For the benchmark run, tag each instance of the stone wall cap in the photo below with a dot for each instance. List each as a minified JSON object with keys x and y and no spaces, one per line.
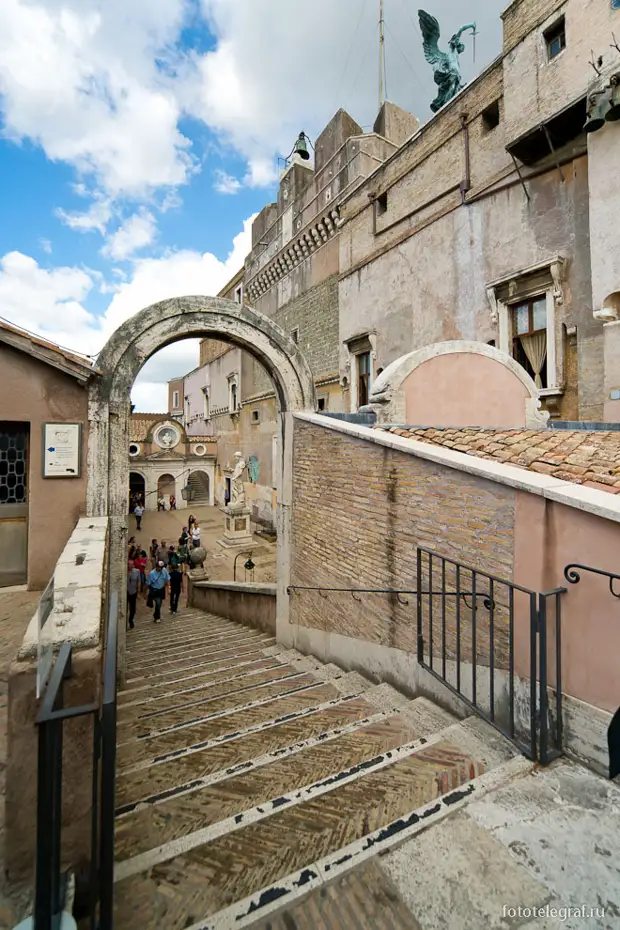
{"x":239,"y":587}
{"x":588,"y":499}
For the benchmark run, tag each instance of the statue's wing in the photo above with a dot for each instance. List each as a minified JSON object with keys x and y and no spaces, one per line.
{"x":430,"y":36}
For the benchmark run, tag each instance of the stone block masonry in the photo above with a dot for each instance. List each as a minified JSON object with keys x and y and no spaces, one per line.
{"x":361,"y":510}
{"x":315,"y":315}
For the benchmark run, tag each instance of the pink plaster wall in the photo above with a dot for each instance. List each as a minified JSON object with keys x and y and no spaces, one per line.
{"x":464,"y":389}
{"x":549,"y":536}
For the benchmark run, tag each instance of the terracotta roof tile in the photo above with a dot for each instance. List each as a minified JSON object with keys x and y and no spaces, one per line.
{"x":581,"y":456}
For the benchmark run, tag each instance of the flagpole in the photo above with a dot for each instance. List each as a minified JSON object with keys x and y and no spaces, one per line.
{"x":381,"y":55}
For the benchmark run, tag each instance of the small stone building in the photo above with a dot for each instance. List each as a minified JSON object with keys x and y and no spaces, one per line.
{"x":43,"y":443}
{"x":164,"y":460}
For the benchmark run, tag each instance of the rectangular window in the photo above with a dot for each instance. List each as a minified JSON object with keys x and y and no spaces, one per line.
{"x":256,"y":416}
{"x":382,"y":204}
{"x":322,"y":401}
{"x":490,"y":116}
{"x":529,"y":343}
{"x":295,"y":334}
{"x":207,"y":411}
{"x":555,"y":38}
{"x":175,"y":400}
{"x":363,"y":379}
{"x":239,"y":294}
{"x":233,"y":397}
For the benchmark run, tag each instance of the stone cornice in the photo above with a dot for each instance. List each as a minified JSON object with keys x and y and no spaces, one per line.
{"x":315,"y":234}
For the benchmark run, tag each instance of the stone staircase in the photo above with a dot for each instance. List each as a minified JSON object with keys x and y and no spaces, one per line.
{"x":259,"y":787}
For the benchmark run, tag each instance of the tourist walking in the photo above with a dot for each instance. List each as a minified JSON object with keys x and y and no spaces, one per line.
{"x":176,"y":586}
{"x":196,"y":534}
{"x":153,"y":552}
{"x":137,"y":512}
{"x":140,"y":563}
{"x":162,"y":552}
{"x":173,"y":502}
{"x":133,"y":586}
{"x":183,"y":553}
{"x":161,"y":502}
{"x":157,"y":581}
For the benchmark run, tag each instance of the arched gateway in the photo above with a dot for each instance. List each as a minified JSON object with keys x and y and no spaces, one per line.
{"x":120,"y":362}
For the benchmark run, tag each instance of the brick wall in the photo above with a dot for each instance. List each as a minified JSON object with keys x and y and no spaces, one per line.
{"x":523,"y":16}
{"x":360,"y":510}
{"x":315,"y":313}
{"x":212,"y":349}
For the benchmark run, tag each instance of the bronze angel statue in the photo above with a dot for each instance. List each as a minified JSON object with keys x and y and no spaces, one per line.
{"x":445,"y":64}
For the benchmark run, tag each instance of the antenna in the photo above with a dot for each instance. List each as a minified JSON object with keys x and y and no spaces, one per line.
{"x":381,"y":56}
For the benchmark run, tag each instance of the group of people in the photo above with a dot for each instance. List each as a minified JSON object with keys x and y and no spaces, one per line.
{"x":161,"y":502}
{"x":169,"y":563}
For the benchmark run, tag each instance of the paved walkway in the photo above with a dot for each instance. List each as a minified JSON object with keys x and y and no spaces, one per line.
{"x":16,"y":611}
{"x":220,"y":562}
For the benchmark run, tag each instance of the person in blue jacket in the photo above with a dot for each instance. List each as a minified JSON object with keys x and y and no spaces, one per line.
{"x":157,"y":581}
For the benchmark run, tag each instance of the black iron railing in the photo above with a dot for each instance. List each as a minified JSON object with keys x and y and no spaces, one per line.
{"x":471,"y":627}
{"x":472,"y":648}
{"x":50,"y":878}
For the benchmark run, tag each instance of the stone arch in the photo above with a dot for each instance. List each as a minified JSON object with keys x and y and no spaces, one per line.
{"x":456,"y":381}
{"x":120,"y":361}
{"x":166,"y":485}
{"x":199,"y":481}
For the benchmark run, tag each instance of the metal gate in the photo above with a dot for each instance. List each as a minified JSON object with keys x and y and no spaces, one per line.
{"x":497,"y":645}
{"x":13,"y":503}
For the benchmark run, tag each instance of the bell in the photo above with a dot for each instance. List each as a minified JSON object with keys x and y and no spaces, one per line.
{"x":598,"y":106}
{"x":613,"y":113}
{"x":301,"y":148}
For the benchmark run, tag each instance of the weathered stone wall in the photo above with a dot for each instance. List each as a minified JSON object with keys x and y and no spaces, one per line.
{"x":363,"y":501}
{"x":536,"y":87}
{"x":315,"y":314}
{"x":359,"y":512}
{"x":433,"y":286}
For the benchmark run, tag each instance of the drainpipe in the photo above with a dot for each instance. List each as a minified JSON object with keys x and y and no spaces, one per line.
{"x":466,"y":182}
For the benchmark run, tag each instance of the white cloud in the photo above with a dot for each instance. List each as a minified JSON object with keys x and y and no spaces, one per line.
{"x":97,"y":216}
{"x":225,"y":183}
{"x":46,"y":245}
{"x":327,"y":57}
{"x":89,"y":81}
{"x":51,"y":302}
{"x":134,"y":234}
{"x":103,"y":84}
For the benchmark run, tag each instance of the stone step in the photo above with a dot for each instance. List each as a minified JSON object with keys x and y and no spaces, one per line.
{"x":193,"y":657}
{"x":232,"y":721}
{"x":152,"y":782}
{"x":189,"y":698}
{"x":179,"y":669}
{"x":192,"y":876}
{"x":205,"y":642}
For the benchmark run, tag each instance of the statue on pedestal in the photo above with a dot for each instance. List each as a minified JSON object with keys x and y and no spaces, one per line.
{"x":446,"y":67}
{"x":237,"y":491}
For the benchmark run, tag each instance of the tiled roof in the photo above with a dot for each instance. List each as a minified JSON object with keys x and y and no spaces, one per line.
{"x":72,"y":362}
{"x":583,"y":457}
{"x":140,"y":424}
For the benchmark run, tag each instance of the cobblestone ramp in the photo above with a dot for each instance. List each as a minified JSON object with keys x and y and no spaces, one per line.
{"x":249,"y":776}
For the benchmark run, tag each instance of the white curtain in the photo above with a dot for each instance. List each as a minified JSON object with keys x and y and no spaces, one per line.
{"x":535,"y":347}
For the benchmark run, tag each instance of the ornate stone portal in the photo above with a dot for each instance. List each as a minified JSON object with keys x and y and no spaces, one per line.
{"x":238,"y":531}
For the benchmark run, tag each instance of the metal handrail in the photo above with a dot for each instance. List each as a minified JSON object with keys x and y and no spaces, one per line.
{"x":573,"y":577}
{"x":50,"y":719}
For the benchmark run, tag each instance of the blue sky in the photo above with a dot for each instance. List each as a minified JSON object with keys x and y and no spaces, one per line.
{"x":138,"y":139}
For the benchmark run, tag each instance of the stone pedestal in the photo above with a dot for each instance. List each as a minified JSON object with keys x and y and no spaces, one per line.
{"x":238,"y":532}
